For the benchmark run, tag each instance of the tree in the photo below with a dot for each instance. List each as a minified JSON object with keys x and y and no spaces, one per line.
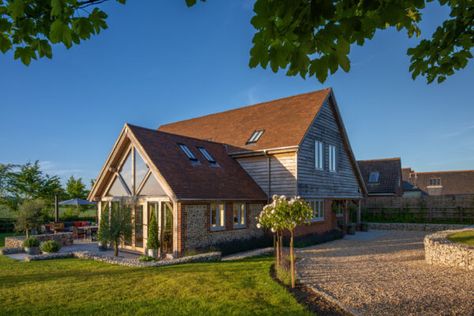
{"x":281,"y":215}
{"x":75,"y":188}
{"x":302,"y":37}
{"x":153,"y":241}
{"x":117,"y":226}
{"x":30,"y":216}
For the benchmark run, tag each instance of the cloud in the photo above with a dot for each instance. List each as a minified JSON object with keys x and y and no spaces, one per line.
{"x":459,"y":132}
{"x":51,"y":167}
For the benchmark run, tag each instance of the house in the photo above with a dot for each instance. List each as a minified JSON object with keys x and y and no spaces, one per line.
{"x":441,"y":182}
{"x":383,"y":177}
{"x":208,"y":178}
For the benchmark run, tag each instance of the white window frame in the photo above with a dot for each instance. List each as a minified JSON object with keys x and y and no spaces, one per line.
{"x":255,"y":136}
{"x":318,"y":210}
{"x":434,"y":182}
{"x":332,"y":158}
{"x":207,"y":155}
{"x":187,"y":152}
{"x":241,"y":215}
{"x":319,"y":155}
{"x":219,"y":216}
{"x":376,"y":175}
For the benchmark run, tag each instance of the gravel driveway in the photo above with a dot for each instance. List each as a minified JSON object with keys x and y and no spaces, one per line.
{"x":384,"y":273}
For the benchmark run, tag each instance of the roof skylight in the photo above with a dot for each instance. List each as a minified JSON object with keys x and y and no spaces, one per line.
{"x":374,"y":177}
{"x":188,"y":152}
{"x":255,"y":136}
{"x":206,"y":154}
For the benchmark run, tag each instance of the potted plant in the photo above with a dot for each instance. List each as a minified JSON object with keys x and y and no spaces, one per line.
{"x":31,"y":246}
{"x":153,"y":242}
{"x":50,"y":246}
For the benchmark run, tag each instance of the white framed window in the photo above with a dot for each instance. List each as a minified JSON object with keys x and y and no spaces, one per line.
{"x":217,"y":214}
{"x":318,"y":210}
{"x":187,"y":152}
{"x":255,"y":136}
{"x":332,"y":158}
{"x":240,"y":216}
{"x":318,"y":155}
{"x":207,"y":155}
{"x":435,"y":182}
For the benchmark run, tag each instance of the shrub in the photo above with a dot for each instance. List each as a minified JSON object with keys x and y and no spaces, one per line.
{"x":315,"y":239}
{"x":31,"y":242}
{"x":50,"y":246}
{"x":146,"y":259}
{"x":234,"y":246}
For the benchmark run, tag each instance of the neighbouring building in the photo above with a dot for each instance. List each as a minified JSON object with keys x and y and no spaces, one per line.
{"x":383,"y":177}
{"x":441,"y":182}
{"x":207,"y":178}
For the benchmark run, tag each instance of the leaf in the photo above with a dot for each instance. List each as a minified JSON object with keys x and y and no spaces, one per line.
{"x":5,"y":44}
{"x":56,"y":8}
{"x":190,"y":3}
{"x":16,"y":9}
{"x":25,"y":54}
{"x":60,"y":32}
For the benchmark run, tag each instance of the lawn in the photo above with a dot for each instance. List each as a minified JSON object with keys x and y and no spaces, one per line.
{"x":465,"y":237}
{"x":73,"y":286}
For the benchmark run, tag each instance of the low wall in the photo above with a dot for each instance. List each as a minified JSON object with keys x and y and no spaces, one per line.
{"x":441,"y":251}
{"x":64,"y":239}
{"x":414,"y":227}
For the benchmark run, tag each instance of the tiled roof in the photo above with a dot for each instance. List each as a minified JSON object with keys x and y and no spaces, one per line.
{"x":451,"y":182}
{"x":284,"y":122}
{"x":390,"y":177}
{"x":196,"y":180}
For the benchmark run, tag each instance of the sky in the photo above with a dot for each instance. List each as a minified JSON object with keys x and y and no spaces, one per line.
{"x":160,"y":62}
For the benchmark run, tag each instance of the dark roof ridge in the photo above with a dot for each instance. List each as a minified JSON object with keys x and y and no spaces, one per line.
{"x":444,"y":171}
{"x":177,"y":135}
{"x":381,"y":159}
{"x":249,"y":106}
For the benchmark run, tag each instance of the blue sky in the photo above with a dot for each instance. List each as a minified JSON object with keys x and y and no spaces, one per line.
{"x":160,"y":62}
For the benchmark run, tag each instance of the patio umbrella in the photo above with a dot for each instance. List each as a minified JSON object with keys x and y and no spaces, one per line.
{"x":76,"y":202}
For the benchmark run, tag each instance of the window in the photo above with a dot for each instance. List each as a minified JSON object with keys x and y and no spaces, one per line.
{"x":374,"y":177}
{"x":435,"y":181}
{"x":318,"y":209}
{"x":338,"y":208}
{"x":318,"y":155}
{"x":217,"y":216}
{"x":188,"y":152}
{"x":240,"y":219}
{"x":332,"y":158}
{"x":255,"y":136}
{"x":207,"y":155}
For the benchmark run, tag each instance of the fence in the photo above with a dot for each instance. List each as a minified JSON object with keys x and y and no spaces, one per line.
{"x":455,"y":209}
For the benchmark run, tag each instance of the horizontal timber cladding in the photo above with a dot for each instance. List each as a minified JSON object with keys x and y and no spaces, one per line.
{"x":196,"y":233}
{"x":324,"y":183}
{"x":282,"y":171}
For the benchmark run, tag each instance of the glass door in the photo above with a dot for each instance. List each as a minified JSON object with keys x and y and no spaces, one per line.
{"x":138,"y":227}
{"x":166,"y":227}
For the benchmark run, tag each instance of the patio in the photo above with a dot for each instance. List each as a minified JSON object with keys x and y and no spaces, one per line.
{"x":385,"y":273}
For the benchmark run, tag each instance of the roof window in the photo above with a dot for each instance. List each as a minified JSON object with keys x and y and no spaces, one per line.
{"x":188,"y":152}
{"x":255,"y":136}
{"x":374,"y":177}
{"x":207,"y":155}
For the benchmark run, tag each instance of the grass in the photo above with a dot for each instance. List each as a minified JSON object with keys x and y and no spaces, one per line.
{"x":465,"y":237}
{"x":2,"y":238}
{"x":83,"y":287}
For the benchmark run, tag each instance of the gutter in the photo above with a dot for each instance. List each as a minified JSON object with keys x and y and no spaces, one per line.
{"x":264,"y":152}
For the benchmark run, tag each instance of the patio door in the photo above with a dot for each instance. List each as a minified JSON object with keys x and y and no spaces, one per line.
{"x":136,"y":241}
{"x":164,"y":215}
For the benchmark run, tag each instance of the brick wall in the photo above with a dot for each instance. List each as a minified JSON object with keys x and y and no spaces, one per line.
{"x":197,"y":234}
{"x":320,"y":227}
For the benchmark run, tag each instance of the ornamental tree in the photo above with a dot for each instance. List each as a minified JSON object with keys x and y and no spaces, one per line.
{"x":153,"y":241}
{"x":118,"y":227}
{"x":285,"y":215}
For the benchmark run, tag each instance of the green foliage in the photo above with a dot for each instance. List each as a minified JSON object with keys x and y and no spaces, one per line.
{"x":31,"y":27}
{"x":146,"y":259}
{"x":103,"y":233}
{"x":314,"y":38}
{"x":30,"y":216}
{"x":50,"y":246}
{"x":31,"y":242}
{"x":25,"y":182}
{"x":153,"y":241}
{"x":117,"y":227}
{"x":241,"y":287}
{"x":75,"y":188}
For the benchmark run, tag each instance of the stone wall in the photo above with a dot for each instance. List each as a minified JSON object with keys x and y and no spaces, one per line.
{"x":414,"y":227}
{"x":198,"y":235}
{"x":64,"y":239}
{"x":441,"y":251}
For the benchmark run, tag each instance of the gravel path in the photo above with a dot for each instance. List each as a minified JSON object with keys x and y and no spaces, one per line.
{"x":384,"y":273}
